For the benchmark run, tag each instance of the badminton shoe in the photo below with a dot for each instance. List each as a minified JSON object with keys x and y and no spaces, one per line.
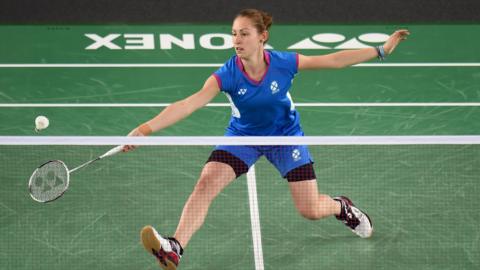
{"x":358,"y":221}
{"x":167,"y":250}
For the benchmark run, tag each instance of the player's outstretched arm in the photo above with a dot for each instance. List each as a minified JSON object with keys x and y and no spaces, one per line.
{"x":177,"y":111}
{"x":347,"y":58}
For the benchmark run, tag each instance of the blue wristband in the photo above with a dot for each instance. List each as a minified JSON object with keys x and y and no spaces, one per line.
{"x":380,"y":52}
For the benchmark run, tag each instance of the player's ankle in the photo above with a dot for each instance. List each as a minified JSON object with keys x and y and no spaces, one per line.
{"x":177,"y":246}
{"x":342,"y":214}
{"x":338,"y":208}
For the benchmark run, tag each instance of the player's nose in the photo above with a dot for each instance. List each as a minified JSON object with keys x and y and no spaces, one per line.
{"x":237,"y":39}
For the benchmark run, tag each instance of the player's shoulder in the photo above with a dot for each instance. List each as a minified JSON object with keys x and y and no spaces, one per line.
{"x":282,"y":55}
{"x":284,"y":60}
{"x":230,"y":63}
{"x":228,"y":67}
{"x":227,"y":74}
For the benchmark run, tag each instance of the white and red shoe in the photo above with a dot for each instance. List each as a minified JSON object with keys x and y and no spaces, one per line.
{"x":167,"y":250}
{"x":357,"y":220}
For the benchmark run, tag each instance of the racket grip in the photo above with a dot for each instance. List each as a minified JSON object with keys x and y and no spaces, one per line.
{"x":113,"y":151}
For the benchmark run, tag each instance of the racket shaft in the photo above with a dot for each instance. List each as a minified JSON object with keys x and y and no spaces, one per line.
{"x":83,"y":165}
{"x":111,"y":152}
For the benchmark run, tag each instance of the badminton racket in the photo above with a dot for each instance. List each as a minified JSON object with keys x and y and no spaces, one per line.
{"x":51,"y":179}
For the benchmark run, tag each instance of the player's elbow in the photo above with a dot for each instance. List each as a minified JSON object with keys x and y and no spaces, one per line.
{"x":188,"y":107}
{"x":327,"y":63}
{"x":191,"y":104}
{"x":337,"y":64}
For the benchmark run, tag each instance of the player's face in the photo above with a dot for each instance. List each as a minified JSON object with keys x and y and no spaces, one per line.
{"x":246,"y":39}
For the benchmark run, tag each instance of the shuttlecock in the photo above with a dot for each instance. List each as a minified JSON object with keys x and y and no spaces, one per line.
{"x":41,"y":122}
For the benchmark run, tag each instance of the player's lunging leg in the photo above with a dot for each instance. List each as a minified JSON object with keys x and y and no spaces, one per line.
{"x":309,"y":203}
{"x":214,"y":178}
{"x":313,"y":205}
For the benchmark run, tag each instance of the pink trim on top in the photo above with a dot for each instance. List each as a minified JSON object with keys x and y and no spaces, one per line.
{"x":219,"y":80}
{"x":267,"y":57}
{"x":239,"y":63}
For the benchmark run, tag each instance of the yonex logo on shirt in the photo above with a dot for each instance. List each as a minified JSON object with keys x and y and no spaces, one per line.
{"x":274,"y":87}
{"x":296,"y":155}
{"x":242,"y":91}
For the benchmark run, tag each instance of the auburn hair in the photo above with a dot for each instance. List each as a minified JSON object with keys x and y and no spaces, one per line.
{"x":260,"y":19}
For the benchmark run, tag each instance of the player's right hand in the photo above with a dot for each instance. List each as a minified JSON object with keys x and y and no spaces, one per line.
{"x":143,"y":130}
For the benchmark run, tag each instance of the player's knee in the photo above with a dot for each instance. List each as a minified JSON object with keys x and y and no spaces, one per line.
{"x":206,"y":185}
{"x":203,"y":184}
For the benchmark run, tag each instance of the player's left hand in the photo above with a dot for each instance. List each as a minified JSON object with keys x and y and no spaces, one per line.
{"x":394,"y":40}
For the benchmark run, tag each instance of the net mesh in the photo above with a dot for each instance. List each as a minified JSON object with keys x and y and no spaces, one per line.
{"x":418,"y":197}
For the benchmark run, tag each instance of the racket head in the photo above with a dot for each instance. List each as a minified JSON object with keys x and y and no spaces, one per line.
{"x":49,"y":181}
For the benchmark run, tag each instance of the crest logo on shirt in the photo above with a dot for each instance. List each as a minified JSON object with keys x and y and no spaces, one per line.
{"x":274,"y":87}
{"x":242,"y":91}
{"x":296,"y":155}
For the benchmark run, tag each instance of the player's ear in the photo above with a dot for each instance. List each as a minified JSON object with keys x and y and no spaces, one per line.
{"x":264,"y":37}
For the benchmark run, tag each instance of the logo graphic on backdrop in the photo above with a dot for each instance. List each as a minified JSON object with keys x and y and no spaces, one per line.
{"x":327,"y":41}
{"x":222,"y":41}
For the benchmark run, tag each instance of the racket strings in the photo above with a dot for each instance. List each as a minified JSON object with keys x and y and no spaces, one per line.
{"x":49,"y":181}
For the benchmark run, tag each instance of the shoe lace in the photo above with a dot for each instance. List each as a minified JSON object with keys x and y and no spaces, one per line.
{"x":351,"y":220}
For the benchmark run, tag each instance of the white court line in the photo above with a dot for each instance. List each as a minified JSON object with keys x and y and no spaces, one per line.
{"x":255,"y":218}
{"x":312,"y":104}
{"x":200,"y":65}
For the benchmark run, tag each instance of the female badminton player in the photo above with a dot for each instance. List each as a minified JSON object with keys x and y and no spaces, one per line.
{"x":256,"y":82}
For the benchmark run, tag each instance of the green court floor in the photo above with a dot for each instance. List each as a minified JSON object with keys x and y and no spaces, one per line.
{"x":422,"y":198}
